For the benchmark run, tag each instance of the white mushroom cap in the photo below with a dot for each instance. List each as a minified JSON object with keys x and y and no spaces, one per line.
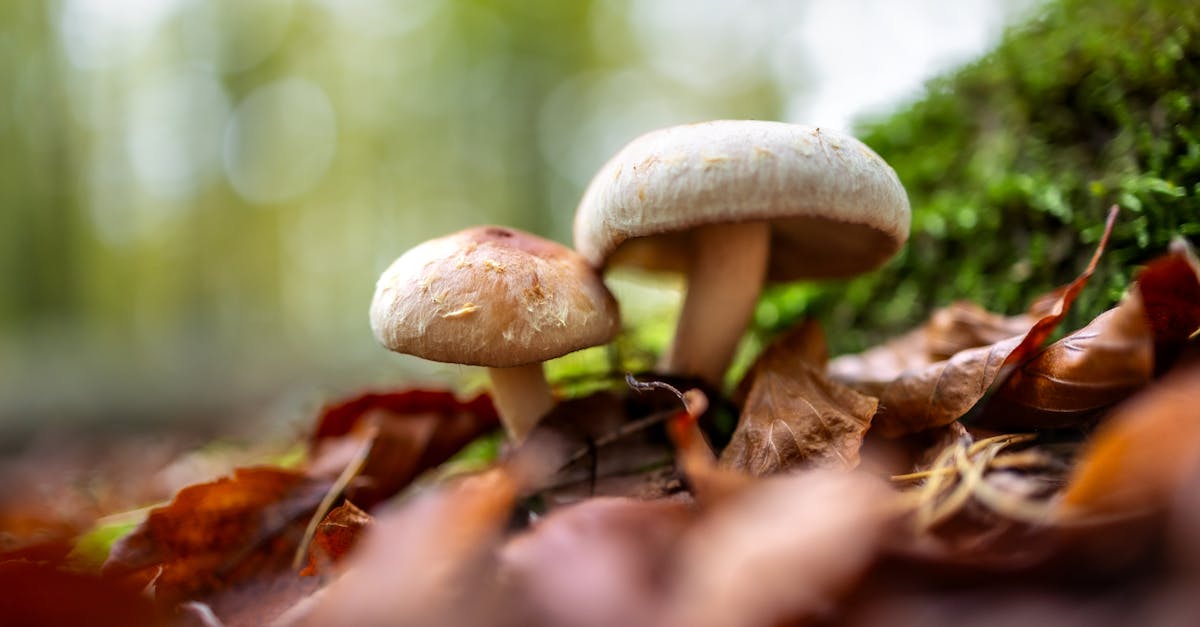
{"x":735,"y":203}
{"x":491,"y":296}
{"x":834,"y":207}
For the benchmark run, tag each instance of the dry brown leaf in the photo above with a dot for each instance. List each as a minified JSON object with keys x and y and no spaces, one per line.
{"x":1073,"y":378}
{"x":218,"y":534}
{"x":45,"y":594}
{"x":598,"y":563}
{"x":949,"y":330}
{"x":782,"y":551}
{"x":604,"y":443}
{"x":408,"y":432}
{"x":943,"y":392}
{"x":336,"y":535}
{"x":431,"y":561}
{"x":1107,"y":360}
{"x":795,"y":416}
{"x":1142,"y":454}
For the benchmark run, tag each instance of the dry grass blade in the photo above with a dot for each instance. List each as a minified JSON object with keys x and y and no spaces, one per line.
{"x":957,"y":476}
{"x":339,"y":485}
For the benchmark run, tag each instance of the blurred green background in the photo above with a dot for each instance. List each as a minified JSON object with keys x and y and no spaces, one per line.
{"x":196,"y":196}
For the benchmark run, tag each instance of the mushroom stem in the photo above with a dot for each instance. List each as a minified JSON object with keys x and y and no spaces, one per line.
{"x":728,"y":266}
{"x":522,"y":396}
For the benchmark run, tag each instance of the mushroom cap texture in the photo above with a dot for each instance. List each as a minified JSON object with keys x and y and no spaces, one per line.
{"x":835,"y":208}
{"x":491,"y":296}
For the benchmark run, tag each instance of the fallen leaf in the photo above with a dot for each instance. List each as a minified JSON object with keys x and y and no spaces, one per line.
{"x":261,"y":600}
{"x":1170,"y":289}
{"x":1073,"y":378}
{"x":960,"y":326}
{"x":783,"y":551}
{"x":1141,"y":454}
{"x":943,"y":392}
{"x":409,"y":432}
{"x":430,"y":561}
{"x":344,"y":417}
{"x":217,"y":534}
{"x":1109,"y":359}
{"x":46,"y":594}
{"x":597,"y":563}
{"x":795,"y":416}
{"x":337,"y":533}
{"x":709,"y":483}
{"x":600,"y":443}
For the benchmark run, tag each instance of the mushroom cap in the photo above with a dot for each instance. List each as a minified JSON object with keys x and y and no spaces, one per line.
{"x":491,"y":296}
{"x":835,"y":208}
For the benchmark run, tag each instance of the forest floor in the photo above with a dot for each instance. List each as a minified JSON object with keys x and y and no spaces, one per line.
{"x":984,"y":468}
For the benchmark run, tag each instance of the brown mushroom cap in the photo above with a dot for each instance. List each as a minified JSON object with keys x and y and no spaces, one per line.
{"x":491,"y":296}
{"x":835,"y":208}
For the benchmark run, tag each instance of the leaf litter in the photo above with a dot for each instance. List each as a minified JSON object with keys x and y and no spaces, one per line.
{"x":1008,"y":460}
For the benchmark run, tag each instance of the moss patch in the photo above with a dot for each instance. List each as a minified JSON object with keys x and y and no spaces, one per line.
{"x":1012,"y":162}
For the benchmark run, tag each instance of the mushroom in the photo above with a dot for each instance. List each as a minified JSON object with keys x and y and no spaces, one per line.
{"x":734,"y":203}
{"x":495,"y":297}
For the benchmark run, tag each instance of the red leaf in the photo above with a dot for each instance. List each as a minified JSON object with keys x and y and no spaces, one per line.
{"x":410,"y":432}
{"x":336,"y":535}
{"x":1170,"y":288}
{"x":42,"y":594}
{"x":214,"y":535}
{"x":343,"y":417}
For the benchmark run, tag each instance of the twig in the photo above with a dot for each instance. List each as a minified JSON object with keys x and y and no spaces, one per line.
{"x":620,"y":433}
{"x":339,"y":485}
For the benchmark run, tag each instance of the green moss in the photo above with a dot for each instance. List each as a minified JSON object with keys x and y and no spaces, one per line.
{"x":1012,"y":162}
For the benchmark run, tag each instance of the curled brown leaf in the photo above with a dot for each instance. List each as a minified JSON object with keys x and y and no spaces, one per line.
{"x":1073,"y":378}
{"x":942,"y":392}
{"x":957,"y":327}
{"x":1110,"y":358}
{"x":795,"y":416}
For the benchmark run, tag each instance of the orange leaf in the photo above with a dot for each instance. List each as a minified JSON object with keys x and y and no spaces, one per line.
{"x":214,"y":535}
{"x":1142,"y":454}
{"x":336,"y":535}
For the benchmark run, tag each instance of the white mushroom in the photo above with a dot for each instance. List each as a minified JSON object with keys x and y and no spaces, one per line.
{"x":495,"y":297}
{"x":734,"y":203}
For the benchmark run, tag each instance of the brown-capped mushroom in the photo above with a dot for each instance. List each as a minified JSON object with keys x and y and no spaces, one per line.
{"x":495,"y":297}
{"x":734,"y":203}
